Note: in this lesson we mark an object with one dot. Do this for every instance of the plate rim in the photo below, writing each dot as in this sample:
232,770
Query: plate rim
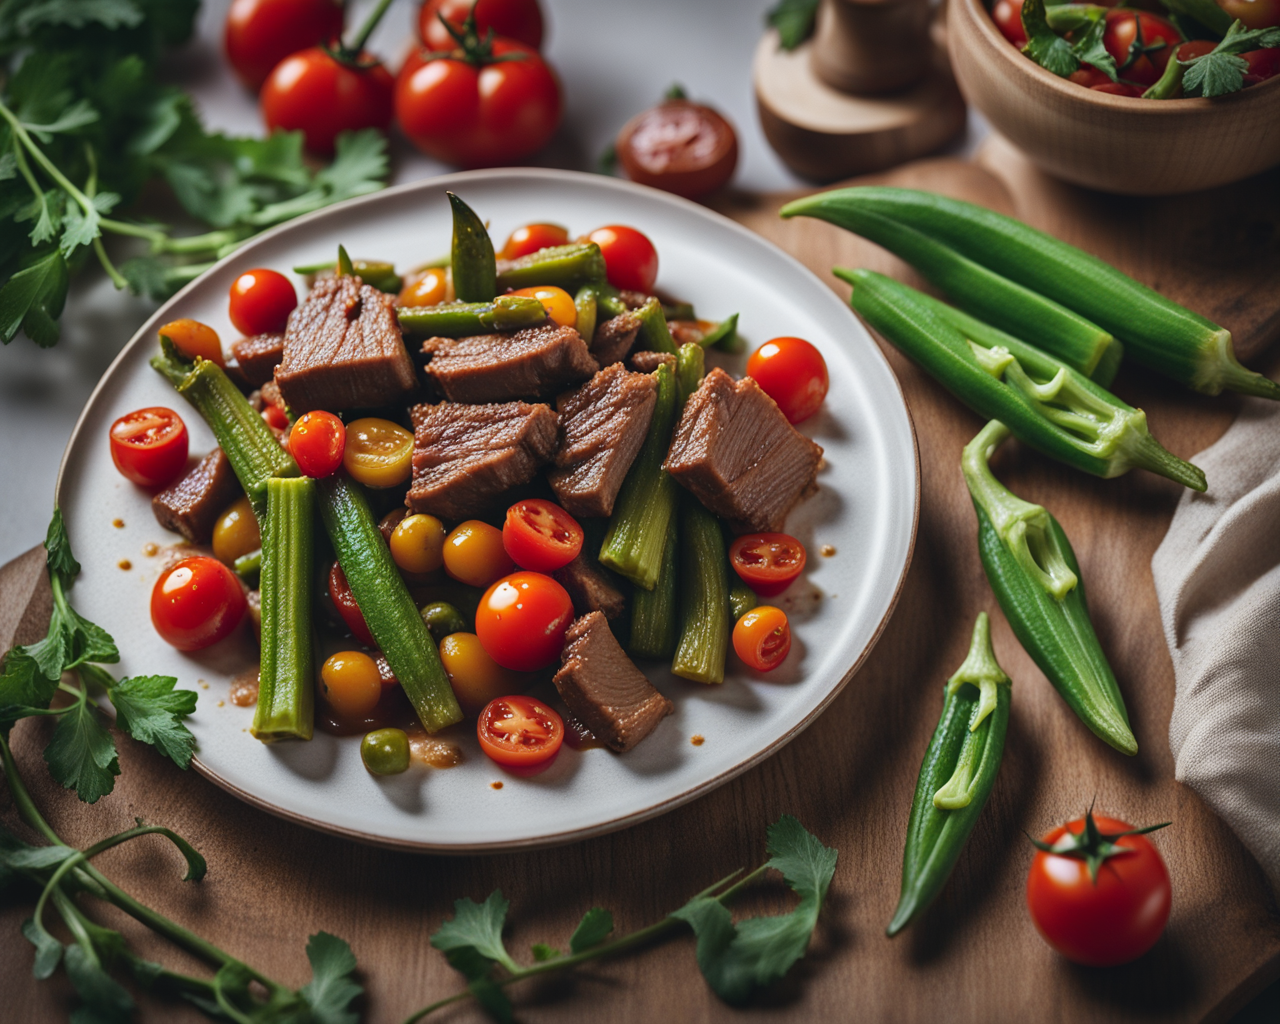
621,821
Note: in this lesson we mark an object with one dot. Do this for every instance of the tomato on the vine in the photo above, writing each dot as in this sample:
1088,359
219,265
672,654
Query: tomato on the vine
540,535
630,259
261,301
1159,38
316,443
522,620
520,20
767,562
196,602
261,33
149,446
793,373
314,92
533,237
1008,18
519,732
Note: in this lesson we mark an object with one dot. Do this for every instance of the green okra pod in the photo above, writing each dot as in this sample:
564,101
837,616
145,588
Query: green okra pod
565,266
463,319
956,776
655,614
741,599
1033,571
375,273
654,334
247,567
586,306
704,596
475,271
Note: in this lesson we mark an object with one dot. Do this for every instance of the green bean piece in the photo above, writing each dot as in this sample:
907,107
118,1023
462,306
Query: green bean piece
375,273
475,273
463,319
608,300
286,680
345,267
1169,85
565,266
741,599
724,336
1033,571
691,367
442,619
585,304
385,751
654,335
679,311
704,605
655,613
956,776
247,567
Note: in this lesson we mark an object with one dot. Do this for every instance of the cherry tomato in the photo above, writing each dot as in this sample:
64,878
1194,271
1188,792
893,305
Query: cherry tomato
556,301
351,684
767,562
261,301
1008,18
793,373
196,602
379,453
630,259
478,115
1119,89
678,146
533,237
194,340
473,554
261,33
762,637
520,20
540,535
345,602
276,417
1196,48
1122,32
522,621
417,544
316,443
519,731
1263,64
312,92
430,288
475,677
149,446
1254,13
1111,921
1088,76
236,532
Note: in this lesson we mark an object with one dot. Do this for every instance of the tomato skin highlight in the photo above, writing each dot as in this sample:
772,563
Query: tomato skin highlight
149,446
259,34
540,535
261,301
196,602
1008,18
532,238
311,92
1112,922
519,732
520,20
793,373
762,638
631,261
316,443
767,562
522,620
429,288
345,603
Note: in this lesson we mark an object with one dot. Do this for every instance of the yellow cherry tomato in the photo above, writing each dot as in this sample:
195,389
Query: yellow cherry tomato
417,544
379,453
430,288
473,554
556,301
475,677
193,339
351,684
236,532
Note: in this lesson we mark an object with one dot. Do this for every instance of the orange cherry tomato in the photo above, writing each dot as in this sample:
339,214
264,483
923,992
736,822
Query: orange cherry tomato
317,442
519,731
430,288
762,637
793,373
194,340
630,260
532,238
767,562
540,535
351,684
261,301
196,602
149,446
473,554
556,301
344,601
522,620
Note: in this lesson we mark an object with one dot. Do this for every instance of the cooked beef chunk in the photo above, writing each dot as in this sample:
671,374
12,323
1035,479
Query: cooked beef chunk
466,455
613,338
531,363
735,450
343,350
589,587
258,356
602,687
647,362
633,299
269,394
602,426
192,505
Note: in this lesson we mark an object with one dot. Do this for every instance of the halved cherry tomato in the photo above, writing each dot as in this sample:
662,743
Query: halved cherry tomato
196,602
532,238
519,731
556,301
516,19
344,601
313,92
316,443
429,288
540,535
379,453
149,446
680,147
1254,13
262,33
1159,38
261,301
630,259
522,620
793,373
767,562
762,637
194,340
473,554
1008,18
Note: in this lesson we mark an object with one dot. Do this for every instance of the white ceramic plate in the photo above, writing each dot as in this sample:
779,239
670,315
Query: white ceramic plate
865,509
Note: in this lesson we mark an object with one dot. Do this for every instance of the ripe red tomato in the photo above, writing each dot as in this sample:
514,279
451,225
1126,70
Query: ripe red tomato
519,731
478,114
1008,18
767,562
1105,922
1119,89
540,535
196,602
680,147
343,600
520,20
1122,31
261,33
1263,64
261,301
317,442
312,92
630,259
1088,76
1254,13
277,418
762,638
522,620
149,446
533,237
793,373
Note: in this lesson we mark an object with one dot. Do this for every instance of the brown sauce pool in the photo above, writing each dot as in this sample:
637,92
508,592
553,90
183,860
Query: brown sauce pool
578,737
244,689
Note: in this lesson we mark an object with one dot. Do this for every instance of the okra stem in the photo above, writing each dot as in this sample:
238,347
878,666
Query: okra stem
462,319
566,266
654,333
472,257
704,606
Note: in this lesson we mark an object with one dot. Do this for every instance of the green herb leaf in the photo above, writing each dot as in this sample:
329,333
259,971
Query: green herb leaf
23,685
32,299
77,115
359,165
476,928
104,997
48,949
1044,46
493,1000
1222,70
82,754
150,710
329,992
78,14
794,21
1090,50
57,546
542,952
593,929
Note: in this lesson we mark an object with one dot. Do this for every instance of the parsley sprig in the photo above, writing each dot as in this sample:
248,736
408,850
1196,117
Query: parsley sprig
1222,70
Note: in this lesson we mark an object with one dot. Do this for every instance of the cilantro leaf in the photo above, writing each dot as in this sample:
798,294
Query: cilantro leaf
57,546
492,999
78,14
794,21
1222,70
77,115
330,990
48,949
593,929
81,228
1044,45
104,997
475,930
82,754
150,710
1090,50
23,685
359,165
32,299
542,952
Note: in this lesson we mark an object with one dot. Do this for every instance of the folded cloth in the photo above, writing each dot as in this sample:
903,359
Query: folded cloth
1217,575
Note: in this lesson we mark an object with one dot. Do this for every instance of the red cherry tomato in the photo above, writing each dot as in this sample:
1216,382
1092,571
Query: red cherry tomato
276,417
478,116
1122,32
261,33
767,562
519,731
540,535
630,259
793,373
1088,76
312,92
261,301
533,237
520,20
149,446
1119,89
679,146
317,442
1008,18
1111,921
762,638
1263,64
345,602
196,602
522,620
1254,13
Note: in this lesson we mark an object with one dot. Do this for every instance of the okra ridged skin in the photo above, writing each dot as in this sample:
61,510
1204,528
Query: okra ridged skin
565,266
704,603
655,614
464,319
474,264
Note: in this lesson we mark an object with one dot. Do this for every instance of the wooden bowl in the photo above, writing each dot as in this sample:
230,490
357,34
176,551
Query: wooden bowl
1113,143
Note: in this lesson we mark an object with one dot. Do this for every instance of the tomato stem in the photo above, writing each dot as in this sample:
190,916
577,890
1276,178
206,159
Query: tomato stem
366,30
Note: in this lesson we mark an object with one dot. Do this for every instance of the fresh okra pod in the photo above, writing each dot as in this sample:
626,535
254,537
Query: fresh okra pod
654,335
566,266
586,308
376,273
741,600
475,274
462,319
655,614
704,604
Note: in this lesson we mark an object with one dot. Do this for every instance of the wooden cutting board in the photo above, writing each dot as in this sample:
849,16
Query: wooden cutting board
849,778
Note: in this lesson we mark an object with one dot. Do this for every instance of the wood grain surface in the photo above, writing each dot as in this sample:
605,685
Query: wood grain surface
974,957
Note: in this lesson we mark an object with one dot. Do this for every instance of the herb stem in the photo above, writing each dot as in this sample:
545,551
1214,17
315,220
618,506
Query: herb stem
50,168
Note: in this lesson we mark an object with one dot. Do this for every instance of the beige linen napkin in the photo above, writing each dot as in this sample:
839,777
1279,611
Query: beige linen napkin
1217,575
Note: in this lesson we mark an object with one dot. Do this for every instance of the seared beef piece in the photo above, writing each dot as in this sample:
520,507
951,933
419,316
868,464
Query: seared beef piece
613,338
466,455
603,689
735,450
269,394
589,587
647,362
602,426
633,299
343,350
530,363
257,356
192,505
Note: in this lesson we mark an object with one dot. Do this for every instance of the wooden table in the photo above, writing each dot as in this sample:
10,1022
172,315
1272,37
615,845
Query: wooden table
975,956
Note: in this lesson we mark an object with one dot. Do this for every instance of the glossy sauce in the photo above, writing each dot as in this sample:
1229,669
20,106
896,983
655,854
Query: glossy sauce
150,550
826,551
495,785
577,736
244,689
118,523
125,564
697,739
